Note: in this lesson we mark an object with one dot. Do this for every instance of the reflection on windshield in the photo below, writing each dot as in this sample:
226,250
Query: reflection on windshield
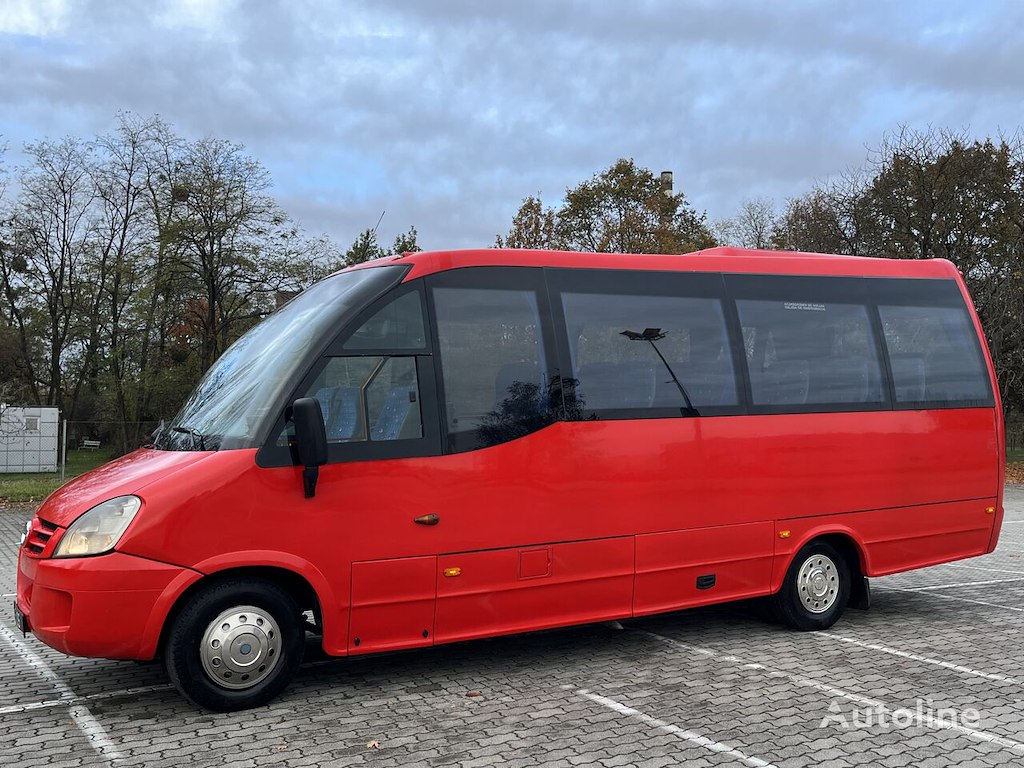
236,395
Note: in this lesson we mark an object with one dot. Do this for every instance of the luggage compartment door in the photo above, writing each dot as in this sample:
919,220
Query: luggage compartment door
526,588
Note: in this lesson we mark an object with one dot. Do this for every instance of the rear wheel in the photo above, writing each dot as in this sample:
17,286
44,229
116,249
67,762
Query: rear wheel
816,588
236,645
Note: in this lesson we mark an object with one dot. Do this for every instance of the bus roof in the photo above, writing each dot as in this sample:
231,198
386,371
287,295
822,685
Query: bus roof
720,259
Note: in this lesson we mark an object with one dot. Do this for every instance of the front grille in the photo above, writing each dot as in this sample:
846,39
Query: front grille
39,535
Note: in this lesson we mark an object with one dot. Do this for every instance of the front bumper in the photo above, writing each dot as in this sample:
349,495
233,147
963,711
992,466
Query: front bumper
103,606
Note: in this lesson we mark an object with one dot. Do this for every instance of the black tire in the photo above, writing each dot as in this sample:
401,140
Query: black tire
278,649
804,606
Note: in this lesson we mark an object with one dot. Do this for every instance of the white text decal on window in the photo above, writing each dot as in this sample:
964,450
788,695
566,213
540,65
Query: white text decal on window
804,306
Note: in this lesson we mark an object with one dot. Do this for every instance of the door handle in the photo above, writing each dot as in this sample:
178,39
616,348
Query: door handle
427,519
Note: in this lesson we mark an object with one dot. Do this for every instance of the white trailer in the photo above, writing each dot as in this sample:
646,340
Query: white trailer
28,439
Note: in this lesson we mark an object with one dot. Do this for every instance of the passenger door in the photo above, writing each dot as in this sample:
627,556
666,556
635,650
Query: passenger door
375,386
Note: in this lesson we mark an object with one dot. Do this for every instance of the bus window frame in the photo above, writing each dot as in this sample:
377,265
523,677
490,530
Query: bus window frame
821,289
930,293
622,282
497,278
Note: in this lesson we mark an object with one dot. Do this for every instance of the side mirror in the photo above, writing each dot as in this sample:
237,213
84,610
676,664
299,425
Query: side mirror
311,441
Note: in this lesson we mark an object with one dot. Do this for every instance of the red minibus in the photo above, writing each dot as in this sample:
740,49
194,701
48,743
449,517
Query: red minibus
443,446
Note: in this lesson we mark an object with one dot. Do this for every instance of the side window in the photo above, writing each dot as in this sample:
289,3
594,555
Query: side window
396,325
805,353
491,349
369,398
934,355
634,351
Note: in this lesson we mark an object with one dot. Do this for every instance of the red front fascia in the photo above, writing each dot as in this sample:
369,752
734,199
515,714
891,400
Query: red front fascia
96,606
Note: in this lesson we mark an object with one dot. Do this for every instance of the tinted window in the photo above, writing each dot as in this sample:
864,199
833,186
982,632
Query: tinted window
934,355
637,351
491,348
810,353
397,325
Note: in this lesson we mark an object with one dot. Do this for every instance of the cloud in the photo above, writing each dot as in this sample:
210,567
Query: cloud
207,17
448,113
32,18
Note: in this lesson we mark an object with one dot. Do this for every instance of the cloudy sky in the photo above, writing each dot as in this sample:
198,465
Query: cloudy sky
446,113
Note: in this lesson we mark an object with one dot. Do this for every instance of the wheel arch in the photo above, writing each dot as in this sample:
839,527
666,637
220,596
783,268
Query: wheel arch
306,585
848,543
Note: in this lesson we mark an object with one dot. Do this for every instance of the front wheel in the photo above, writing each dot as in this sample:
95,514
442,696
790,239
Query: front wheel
816,588
236,645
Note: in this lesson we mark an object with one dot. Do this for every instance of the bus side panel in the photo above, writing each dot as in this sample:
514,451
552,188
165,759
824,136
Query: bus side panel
659,475
515,590
576,482
895,540
680,569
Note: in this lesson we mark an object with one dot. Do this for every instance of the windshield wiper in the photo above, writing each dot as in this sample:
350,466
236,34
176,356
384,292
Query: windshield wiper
157,434
195,433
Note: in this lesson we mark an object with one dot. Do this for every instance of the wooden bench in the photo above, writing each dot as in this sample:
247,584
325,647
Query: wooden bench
92,445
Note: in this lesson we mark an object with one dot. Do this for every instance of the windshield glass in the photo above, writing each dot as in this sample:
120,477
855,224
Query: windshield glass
236,395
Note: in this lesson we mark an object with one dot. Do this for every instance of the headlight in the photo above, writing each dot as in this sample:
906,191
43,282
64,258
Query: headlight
99,529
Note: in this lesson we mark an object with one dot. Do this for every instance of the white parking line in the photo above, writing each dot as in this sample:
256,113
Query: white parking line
951,597
982,568
963,584
80,714
921,718
915,657
675,730
14,709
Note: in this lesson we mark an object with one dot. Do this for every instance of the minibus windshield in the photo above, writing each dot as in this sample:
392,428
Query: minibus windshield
247,382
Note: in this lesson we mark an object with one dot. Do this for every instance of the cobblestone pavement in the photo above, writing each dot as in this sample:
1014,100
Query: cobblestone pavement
699,688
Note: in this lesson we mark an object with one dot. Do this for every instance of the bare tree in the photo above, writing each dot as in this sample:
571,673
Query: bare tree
834,217
753,227
44,269
934,194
